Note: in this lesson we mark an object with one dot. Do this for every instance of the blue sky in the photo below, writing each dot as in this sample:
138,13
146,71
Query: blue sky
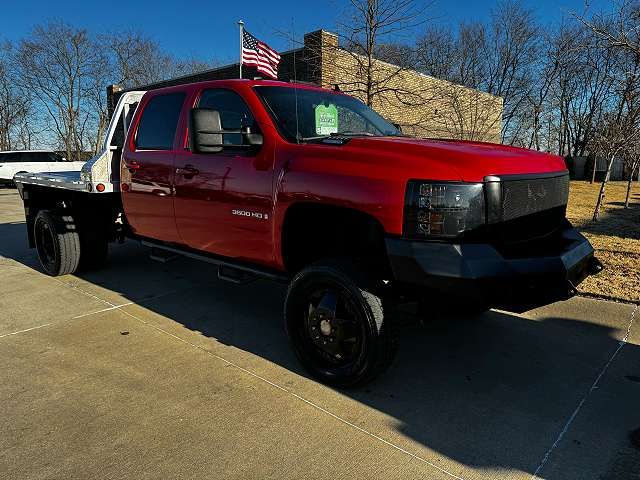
207,29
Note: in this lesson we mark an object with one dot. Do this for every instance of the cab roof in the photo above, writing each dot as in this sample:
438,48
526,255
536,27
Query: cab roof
245,82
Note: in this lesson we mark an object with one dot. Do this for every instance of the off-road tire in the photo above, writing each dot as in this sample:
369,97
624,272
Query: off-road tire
381,335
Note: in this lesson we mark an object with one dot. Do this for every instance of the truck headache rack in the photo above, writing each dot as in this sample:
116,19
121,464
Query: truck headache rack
101,173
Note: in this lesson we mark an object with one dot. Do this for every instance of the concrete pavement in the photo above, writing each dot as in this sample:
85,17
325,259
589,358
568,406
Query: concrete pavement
145,370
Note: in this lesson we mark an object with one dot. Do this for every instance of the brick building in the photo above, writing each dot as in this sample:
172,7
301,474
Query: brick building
424,106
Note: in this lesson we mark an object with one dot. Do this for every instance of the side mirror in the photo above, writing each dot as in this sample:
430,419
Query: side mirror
252,139
206,130
207,134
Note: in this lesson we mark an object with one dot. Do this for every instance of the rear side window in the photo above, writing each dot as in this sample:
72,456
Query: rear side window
34,157
9,157
159,121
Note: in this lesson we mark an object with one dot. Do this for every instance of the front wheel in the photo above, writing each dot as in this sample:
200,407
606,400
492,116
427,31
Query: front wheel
336,326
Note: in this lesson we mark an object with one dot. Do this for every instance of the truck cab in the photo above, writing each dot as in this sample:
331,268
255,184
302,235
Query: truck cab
313,188
217,200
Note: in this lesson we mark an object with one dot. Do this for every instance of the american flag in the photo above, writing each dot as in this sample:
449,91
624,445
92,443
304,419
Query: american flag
259,55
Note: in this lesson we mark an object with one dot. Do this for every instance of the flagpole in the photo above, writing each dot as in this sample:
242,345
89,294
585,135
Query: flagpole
241,25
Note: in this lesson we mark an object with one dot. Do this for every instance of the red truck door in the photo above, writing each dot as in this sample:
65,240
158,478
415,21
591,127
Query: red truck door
147,169
223,200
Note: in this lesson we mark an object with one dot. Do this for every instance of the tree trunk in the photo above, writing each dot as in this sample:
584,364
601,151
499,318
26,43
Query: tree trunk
629,183
595,164
603,186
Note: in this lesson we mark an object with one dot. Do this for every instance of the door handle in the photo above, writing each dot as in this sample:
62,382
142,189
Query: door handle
187,171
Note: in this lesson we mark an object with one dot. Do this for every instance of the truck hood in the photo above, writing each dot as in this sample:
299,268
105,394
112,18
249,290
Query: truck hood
444,159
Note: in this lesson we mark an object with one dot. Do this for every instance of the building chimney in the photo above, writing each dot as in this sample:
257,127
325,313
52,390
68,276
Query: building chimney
320,49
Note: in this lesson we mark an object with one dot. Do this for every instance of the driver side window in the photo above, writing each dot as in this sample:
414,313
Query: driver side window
234,113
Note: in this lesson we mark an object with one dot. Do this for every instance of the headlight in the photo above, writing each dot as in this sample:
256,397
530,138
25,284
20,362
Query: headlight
442,210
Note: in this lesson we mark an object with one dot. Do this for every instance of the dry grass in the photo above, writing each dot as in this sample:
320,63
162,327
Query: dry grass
615,237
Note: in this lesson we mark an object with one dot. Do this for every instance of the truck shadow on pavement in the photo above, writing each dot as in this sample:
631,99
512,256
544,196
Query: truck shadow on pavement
492,391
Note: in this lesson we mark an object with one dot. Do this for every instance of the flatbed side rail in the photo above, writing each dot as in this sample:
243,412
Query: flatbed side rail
63,180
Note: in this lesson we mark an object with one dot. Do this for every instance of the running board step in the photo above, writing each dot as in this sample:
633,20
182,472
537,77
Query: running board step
162,256
230,270
233,275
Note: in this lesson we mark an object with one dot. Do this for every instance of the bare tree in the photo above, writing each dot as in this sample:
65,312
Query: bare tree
617,28
498,58
632,163
55,83
615,138
192,65
541,123
368,49
14,104
137,60
589,94
512,52
616,34
465,113
436,53
57,63
396,53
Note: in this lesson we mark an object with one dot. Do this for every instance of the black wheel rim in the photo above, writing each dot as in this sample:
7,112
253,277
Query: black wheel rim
333,331
45,243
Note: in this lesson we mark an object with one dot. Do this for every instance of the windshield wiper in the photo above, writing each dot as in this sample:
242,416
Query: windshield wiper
310,139
347,133
339,134
350,133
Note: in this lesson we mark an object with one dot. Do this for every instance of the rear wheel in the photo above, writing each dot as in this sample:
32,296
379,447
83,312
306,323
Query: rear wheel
57,243
336,326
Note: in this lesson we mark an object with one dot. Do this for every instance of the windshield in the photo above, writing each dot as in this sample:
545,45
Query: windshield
321,114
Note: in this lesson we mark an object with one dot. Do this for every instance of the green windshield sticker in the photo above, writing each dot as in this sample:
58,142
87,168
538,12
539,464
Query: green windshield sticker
326,119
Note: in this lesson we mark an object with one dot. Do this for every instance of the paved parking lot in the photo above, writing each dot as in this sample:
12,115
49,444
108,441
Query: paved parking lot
147,370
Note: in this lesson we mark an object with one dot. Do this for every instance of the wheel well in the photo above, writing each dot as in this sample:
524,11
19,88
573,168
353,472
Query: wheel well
311,232
90,211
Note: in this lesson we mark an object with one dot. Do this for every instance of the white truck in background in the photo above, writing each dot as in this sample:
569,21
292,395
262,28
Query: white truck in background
23,161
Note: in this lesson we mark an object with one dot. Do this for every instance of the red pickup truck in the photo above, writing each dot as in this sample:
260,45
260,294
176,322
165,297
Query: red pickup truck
311,187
